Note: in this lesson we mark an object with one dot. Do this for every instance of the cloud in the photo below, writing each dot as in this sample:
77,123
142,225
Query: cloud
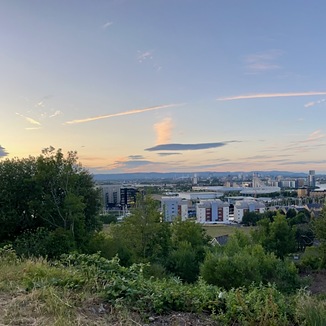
142,56
261,62
168,154
136,157
270,95
316,135
133,164
56,113
303,162
33,128
30,120
107,24
310,104
186,147
3,152
163,131
152,108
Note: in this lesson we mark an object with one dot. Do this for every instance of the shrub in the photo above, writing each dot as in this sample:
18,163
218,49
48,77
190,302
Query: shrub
257,305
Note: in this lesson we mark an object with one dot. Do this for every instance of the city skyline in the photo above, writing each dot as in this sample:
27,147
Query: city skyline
165,86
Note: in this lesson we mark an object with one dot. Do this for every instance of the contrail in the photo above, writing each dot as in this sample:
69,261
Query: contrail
30,120
253,96
152,108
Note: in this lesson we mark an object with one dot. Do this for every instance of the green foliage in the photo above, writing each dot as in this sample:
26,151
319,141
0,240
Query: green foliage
189,245
43,242
183,262
241,262
251,218
257,305
311,259
142,235
62,285
108,218
8,255
319,227
276,236
310,310
52,193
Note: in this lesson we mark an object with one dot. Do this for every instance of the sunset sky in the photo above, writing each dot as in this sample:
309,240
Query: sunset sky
165,85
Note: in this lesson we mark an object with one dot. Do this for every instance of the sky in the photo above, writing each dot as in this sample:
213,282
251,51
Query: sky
165,85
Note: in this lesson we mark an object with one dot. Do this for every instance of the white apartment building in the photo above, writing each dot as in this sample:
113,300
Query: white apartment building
173,207
212,211
243,206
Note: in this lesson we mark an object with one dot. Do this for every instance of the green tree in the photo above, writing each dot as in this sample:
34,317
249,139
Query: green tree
50,191
251,218
241,262
189,245
142,233
319,227
276,236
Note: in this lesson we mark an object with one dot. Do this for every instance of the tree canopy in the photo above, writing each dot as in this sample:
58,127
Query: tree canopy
52,192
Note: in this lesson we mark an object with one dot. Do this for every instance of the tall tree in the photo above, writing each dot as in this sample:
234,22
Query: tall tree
142,233
276,236
51,191
319,227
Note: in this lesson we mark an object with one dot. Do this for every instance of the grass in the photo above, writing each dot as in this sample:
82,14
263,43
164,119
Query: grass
30,295
217,230
38,292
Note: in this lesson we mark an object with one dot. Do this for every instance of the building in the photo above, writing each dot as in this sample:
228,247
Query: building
128,196
311,179
110,196
173,207
302,192
212,211
117,196
244,206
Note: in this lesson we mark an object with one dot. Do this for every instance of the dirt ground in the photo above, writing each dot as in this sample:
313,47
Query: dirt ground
318,282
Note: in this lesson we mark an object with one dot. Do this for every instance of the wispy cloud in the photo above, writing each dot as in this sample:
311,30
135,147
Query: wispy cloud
136,157
316,135
3,152
132,164
303,162
262,62
168,154
33,128
152,108
142,56
56,113
163,131
30,120
187,147
310,104
107,24
269,95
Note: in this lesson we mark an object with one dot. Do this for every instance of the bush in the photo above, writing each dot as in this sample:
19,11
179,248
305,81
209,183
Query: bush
43,242
241,263
310,310
257,305
311,259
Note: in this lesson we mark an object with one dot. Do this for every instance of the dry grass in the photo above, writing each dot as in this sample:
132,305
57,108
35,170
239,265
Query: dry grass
28,298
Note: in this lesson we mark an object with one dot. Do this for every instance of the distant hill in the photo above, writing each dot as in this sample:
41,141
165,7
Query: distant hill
184,175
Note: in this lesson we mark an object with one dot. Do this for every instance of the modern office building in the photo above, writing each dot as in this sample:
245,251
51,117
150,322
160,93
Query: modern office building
110,196
128,197
117,196
311,179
